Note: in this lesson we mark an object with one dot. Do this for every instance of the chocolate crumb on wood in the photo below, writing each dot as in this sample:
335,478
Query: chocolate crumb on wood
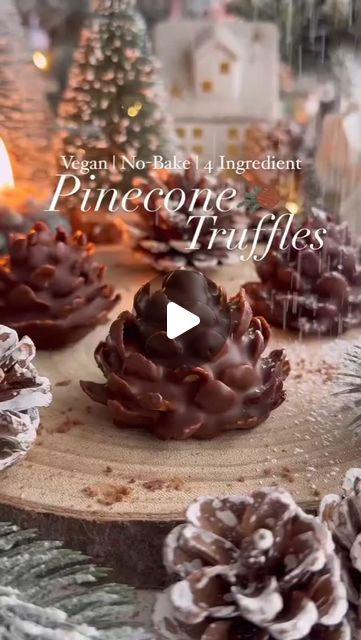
108,494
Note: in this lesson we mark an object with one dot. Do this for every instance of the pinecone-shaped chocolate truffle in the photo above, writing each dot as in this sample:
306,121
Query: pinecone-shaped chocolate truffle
10,222
313,290
21,221
342,515
252,568
51,288
22,391
207,381
163,238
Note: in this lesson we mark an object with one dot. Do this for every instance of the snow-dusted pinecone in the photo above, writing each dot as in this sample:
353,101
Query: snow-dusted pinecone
342,515
163,238
151,381
252,568
22,391
313,291
51,288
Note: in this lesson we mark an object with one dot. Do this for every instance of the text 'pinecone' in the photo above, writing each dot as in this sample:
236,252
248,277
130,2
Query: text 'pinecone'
252,568
236,389
164,237
51,288
22,391
313,291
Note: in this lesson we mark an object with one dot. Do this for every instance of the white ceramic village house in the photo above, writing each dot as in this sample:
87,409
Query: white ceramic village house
220,76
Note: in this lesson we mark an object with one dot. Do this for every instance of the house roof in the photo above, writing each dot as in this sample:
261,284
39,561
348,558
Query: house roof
179,42
217,33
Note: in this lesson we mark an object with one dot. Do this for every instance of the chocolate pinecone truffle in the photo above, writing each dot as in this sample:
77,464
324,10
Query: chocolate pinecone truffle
252,568
313,291
51,288
149,383
21,221
342,515
163,238
22,391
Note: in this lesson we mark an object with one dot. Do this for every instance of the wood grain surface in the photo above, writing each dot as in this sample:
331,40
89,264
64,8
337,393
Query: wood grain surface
115,493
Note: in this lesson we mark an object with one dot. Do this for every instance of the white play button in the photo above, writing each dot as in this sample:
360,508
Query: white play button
179,320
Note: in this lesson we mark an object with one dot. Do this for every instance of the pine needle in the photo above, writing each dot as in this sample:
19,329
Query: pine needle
350,377
48,592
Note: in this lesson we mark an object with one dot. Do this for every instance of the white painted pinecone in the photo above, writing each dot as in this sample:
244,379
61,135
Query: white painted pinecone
342,515
252,568
22,391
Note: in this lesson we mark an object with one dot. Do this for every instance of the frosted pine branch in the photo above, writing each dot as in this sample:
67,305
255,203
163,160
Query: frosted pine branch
350,379
49,592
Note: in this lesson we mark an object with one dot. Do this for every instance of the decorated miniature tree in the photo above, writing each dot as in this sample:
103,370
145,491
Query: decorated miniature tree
25,119
114,105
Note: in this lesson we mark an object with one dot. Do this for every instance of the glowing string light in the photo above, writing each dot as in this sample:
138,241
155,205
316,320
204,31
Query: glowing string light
292,207
40,60
134,109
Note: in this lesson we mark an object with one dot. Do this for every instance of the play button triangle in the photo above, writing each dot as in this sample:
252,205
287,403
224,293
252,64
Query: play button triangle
179,320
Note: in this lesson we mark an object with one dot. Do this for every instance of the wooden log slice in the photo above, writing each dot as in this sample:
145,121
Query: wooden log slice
115,493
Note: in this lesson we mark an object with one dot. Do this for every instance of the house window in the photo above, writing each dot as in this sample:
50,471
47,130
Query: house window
176,91
181,132
207,86
233,133
197,132
233,150
225,68
198,149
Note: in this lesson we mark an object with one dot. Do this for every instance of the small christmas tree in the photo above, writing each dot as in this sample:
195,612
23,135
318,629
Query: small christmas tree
25,119
114,105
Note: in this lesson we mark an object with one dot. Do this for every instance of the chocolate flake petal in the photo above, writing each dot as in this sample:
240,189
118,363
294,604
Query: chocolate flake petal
97,392
122,415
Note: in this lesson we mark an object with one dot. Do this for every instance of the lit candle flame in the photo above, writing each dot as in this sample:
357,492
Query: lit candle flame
6,172
40,60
